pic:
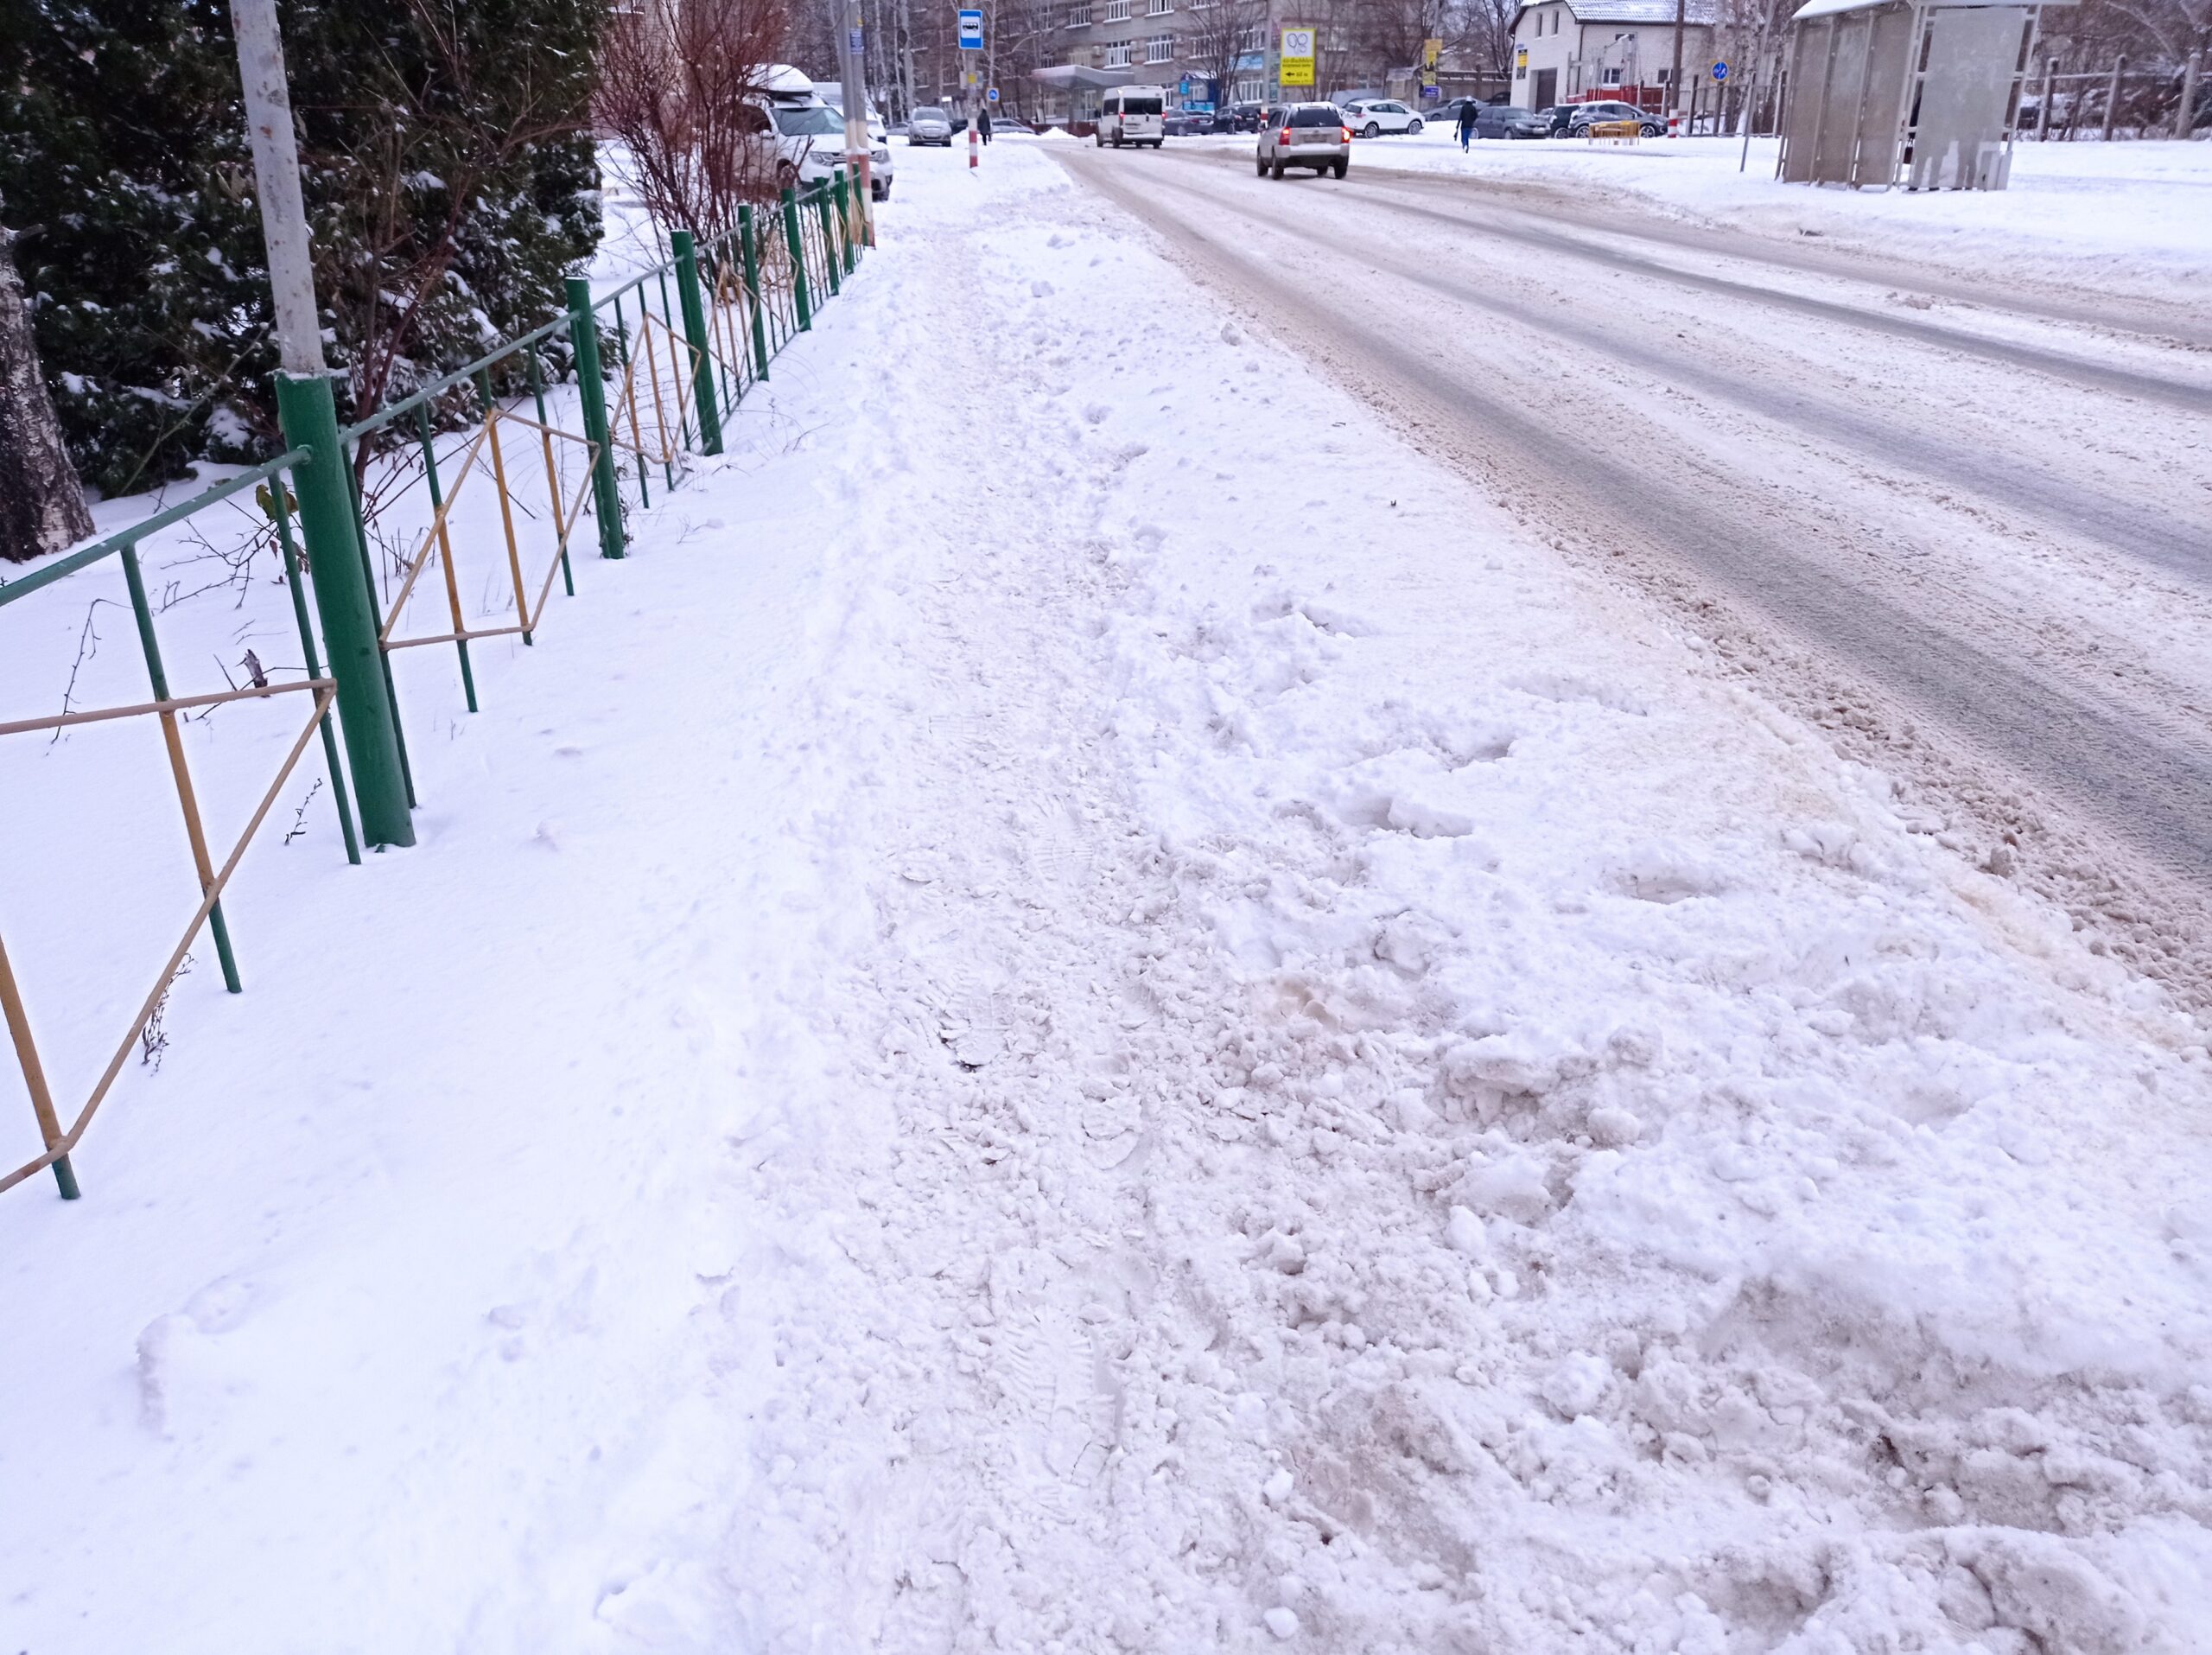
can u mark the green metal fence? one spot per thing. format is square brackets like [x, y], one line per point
[490, 463]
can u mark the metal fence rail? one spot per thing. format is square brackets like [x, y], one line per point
[657, 366]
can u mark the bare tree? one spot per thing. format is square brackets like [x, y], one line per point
[1225, 31]
[41, 503]
[682, 85]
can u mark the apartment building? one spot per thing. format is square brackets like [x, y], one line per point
[1181, 45]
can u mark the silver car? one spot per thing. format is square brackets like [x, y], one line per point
[928, 126]
[1305, 135]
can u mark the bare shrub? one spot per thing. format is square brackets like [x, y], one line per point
[682, 85]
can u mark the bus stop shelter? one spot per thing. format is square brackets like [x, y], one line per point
[1919, 92]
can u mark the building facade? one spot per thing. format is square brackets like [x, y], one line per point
[1566, 50]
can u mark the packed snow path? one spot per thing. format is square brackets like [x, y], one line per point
[1090, 1036]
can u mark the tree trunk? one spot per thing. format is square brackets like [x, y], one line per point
[41, 503]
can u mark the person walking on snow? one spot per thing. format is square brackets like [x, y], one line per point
[984, 124]
[1466, 123]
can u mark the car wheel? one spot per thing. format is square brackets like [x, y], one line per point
[1341, 168]
[1277, 173]
[1372, 131]
[1415, 127]
[1262, 165]
[1652, 129]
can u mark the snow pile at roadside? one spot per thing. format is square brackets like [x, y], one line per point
[2132, 219]
[1092, 1009]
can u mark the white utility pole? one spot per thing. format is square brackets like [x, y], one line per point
[276, 182]
[851, 52]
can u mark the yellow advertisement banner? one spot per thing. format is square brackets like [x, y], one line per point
[1297, 57]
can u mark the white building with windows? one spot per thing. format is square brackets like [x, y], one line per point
[1565, 50]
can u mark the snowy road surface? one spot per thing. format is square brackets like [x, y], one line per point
[1042, 1028]
[1971, 537]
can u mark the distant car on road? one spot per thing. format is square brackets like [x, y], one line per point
[1312, 135]
[930, 126]
[1132, 116]
[1580, 116]
[1004, 124]
[1555, 118]
[1372, 117]
[1447, 113]
[1505, 121]
[1186, 123]
[1240, 117]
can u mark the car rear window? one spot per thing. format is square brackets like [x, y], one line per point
[1141, 105]
[1315, 117]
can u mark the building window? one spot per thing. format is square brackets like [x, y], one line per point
[1661, 74]
[1158, 8]
[1248, 91]
[1078, 16]
[1160, 49]
[1117, 57]
[1610, 78]
[1117, 11]
[1255, 40]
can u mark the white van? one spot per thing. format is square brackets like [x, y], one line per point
[1132, 115]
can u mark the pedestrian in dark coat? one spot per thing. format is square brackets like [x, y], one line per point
[1466, 122]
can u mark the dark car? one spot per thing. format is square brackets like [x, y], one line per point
[1447, 113]
[1002, 126]
[1185, 123]
[1504, 121]
[1554, 117]
[1240, 117]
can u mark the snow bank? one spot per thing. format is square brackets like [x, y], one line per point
[2132, 219]
[1054, 1023]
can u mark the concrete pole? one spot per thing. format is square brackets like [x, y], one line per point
[2043, 109]
[1675, 75]
[2112, 95]
[851, 48]
[2187, 97]
[276, 179]
[308, 414]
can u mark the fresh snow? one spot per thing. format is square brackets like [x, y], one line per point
[1090, 1008]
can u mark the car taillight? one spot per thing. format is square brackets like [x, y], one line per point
[1283, 136]
[1346, 131]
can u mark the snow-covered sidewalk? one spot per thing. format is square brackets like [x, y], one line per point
[1092, 1009]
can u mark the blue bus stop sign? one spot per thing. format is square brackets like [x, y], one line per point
[1719, 72]
[971, 31]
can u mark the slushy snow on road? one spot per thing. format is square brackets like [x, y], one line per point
[1094, 1008]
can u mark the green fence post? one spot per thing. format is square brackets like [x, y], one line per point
[584, 338]
[696, 332]
[308, 414]
[752, 248]
[829, 236]
[798, 260]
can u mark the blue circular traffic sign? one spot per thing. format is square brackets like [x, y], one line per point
[1719, 72]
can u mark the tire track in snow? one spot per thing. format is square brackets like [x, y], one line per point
[2103, 810]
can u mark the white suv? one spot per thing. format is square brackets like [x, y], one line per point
[1372, 117]
[1305, 135]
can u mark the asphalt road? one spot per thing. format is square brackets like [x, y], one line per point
[1965, 530]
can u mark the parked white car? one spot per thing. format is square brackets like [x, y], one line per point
[879, 139]
[1370, 118]
[929, 126]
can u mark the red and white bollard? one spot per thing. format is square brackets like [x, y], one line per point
[1675, 124]
[971, 143]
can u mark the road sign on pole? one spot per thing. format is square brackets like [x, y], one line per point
[1297, 58]
[971, 31]
[1719, 72]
